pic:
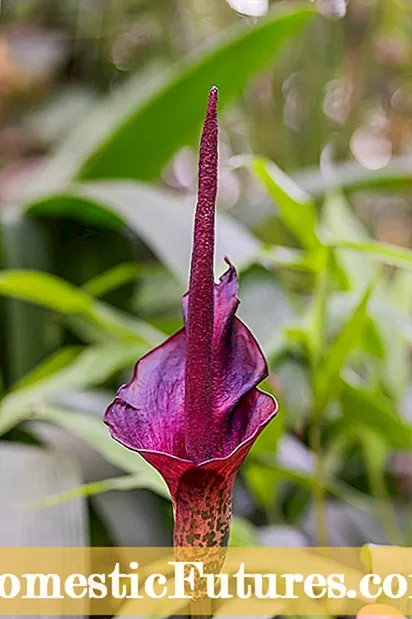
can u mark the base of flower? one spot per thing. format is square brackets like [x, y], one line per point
[203, 509]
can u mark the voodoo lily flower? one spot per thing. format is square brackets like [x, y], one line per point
[192, 409]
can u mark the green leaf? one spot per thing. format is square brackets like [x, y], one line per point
[265, 307]
[350, 176]
[28, 334]
[139, 147]
[166, 225]
[93, 431]
[294, 259]
[51, 366]
[393, 320]
[383, 252]
[46, 290]
[327, 378]
[261, 481]
[401, 290]
[337, 449]
[296, 208]
[342, 224]
[376, 412]
[270, 461]
[376, 452]
[54, 293]
[341, 306]
[118, 326]
[315, 333]
[138, 129]
[126, 482]
[395, 370]
[160, 219]
[116, 277]
[68, 369]
[294, 383]
[243, 533]
[336, 488]
[268, 440]
[76, 207]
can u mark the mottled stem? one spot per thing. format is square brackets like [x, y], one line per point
[205, 605]
[199, 330]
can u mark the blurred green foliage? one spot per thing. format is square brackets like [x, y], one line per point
[95, 247]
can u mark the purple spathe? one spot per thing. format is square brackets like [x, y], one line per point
[192, 408]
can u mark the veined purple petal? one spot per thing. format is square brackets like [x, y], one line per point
[148, 414]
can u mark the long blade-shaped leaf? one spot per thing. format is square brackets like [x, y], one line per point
[317, 314]
[296, 208]
[327, 378]
[350, 176]
[68, 369]
[93, 431]
[383, 252]
[44, 289]
[116, 277]
[179, 103]
[126, 482]
[56, 294]
[158, 217]
[27, 334]
[342, 225]
[165, 224]
[134, 136]
[375, 411]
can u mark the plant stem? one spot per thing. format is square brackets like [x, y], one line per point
[318, 321]
[204, 606]
[374, 449]
[319, 485]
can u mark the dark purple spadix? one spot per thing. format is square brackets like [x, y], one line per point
[192, 408]
[200, 315]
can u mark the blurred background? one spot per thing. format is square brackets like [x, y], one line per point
[101, 104]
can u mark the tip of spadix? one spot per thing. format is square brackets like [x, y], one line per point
[212, 101]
